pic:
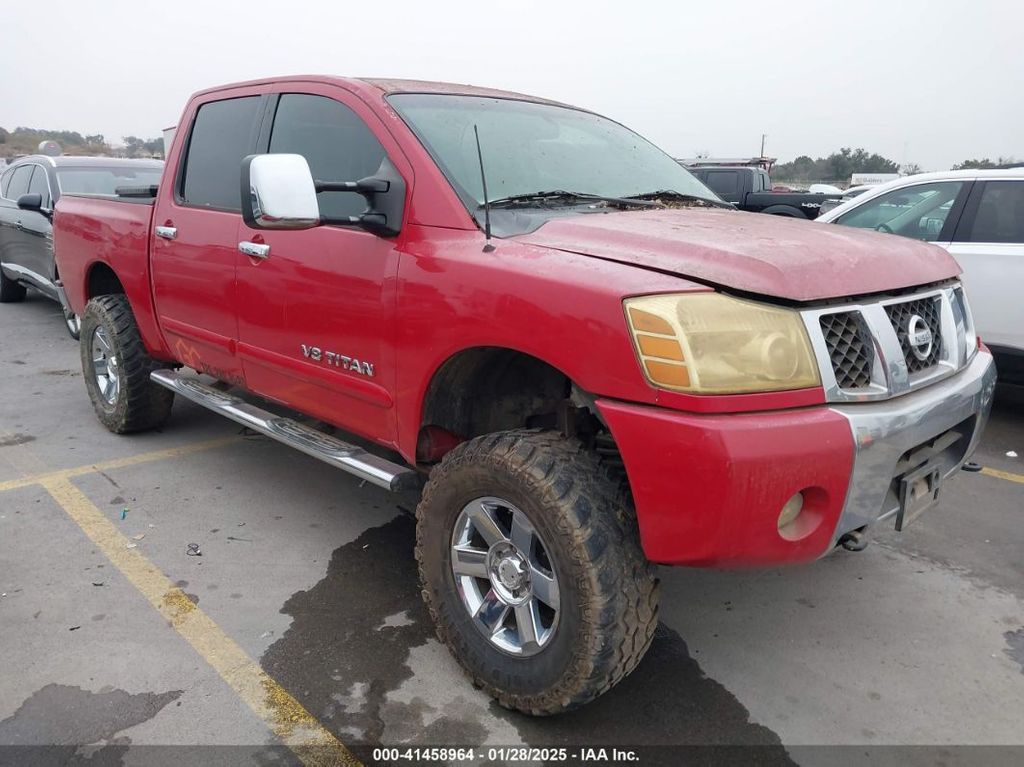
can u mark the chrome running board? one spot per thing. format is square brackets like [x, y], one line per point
[351, 458]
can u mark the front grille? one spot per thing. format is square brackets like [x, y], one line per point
[849, 346]
[928, 310]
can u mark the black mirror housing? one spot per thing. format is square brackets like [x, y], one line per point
[31, 202]
[385, 200]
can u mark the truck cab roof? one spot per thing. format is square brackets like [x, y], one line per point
[385, 86]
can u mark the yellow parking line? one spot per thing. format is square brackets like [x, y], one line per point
[1003, 475]
[285, 716]
[116, 463]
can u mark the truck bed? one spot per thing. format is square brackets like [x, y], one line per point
[92, 233]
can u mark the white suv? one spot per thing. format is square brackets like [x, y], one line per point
[978, 216]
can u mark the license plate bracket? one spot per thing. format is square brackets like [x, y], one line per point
[919, 491]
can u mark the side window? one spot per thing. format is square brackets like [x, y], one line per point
[221, 136]
[38, 185]
[915, 211]
[337, 145]
[1000, 216]
[19, 182]
[723, 182]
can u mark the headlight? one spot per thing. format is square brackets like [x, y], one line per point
[709, 343]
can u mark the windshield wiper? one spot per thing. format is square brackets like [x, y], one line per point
[560, 195]
[674, 196]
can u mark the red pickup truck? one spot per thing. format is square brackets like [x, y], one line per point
[594, 364]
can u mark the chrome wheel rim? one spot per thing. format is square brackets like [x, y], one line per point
[74, 322]
[504, 576]
[106, 368]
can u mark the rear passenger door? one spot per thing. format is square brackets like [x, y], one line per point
[37, 229]
[12, 242]
[989, 245]
[195, 239]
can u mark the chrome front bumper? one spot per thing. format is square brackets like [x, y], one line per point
[890, 435]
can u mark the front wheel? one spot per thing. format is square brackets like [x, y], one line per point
[532, 570]
[116, 368]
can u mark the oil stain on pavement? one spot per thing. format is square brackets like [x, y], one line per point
[1015, 647]
[65, 718]
[357, 636]
[16, 439]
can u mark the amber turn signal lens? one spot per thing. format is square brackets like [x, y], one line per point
[669, 375]
[665, 348]
[649, 323]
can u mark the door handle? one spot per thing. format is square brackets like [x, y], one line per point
[254, 249]
[167, 232]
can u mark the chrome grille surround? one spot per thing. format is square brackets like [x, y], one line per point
[889, 373]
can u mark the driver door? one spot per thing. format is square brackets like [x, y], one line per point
[316, 310]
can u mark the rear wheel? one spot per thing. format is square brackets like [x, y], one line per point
[116, 368]
[532, 570]
[11, 292]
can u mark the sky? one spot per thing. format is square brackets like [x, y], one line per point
[930, 82]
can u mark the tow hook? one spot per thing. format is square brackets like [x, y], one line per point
[855, 540]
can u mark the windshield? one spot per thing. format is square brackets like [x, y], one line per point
[104, 181]
[529, 148]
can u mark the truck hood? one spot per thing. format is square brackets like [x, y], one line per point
[751, 252]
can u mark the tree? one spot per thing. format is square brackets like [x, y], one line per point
[985, 164]
[133, 145]
[837, 167]
[910, 169]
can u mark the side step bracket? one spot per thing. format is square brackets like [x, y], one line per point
[351, 458]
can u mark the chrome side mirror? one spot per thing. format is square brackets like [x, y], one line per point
[278, 192]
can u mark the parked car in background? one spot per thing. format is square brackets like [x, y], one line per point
[978, 216]
[848, 194]
[750, 189]
[29, 190]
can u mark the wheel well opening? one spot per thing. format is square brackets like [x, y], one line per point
[489, 389]
[102, 282]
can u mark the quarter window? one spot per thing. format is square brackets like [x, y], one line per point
[336, 143]
[19, 182]
[918, 211]
[5, 181]
[222, 135]
[1000, 216]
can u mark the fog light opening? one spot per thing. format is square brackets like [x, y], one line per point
[791, 510]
